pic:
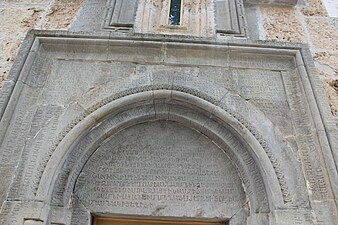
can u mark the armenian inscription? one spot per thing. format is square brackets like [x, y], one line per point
[145, 171]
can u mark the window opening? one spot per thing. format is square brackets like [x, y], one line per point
[175, 12]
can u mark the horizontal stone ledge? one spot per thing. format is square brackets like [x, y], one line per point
[273, 2]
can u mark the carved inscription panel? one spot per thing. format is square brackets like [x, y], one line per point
[161, 168]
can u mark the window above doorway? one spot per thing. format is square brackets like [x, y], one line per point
[182, 17]
[175, 12]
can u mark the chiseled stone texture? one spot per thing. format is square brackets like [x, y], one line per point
[314, 8]
[62, 13]
[327, 58]
[19, 16]
[331, 87]
[282, 24]
[164, 169]
[322, 34]
[28, 2]
[308, 23]
[260, 104]
[14, 26]
[91, 16]
[8, 51]
[12, 31]
[87, 98]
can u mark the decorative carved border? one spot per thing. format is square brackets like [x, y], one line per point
[323, 121]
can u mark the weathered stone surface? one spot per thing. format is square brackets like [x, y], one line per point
[18, 25]
[325, 40]
[284, 24]
[4, 71]
[161, 169]
[327, 58]
[229, 17]
[241, 118]
[327, 65]
[273, 2]
[29, 14]
[91, 16]
[294, 217]
[9, 50]
[309, 23]
[62, 13]
[80, 101]
[314, 8]
[27, 1]
[278, 28]
[123, 13]
[332, 91]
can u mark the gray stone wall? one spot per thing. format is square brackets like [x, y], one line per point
[19, 16]
[259, 104]
[103, 120]
[307, 22]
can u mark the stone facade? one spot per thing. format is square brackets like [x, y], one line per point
[129, 116]
[29, 14]
[307, 22]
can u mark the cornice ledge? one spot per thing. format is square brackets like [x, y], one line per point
[272, 2]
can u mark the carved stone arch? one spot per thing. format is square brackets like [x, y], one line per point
[138, 114]
[67, 86]
[178, 112]
[212, 101]
[167, 99]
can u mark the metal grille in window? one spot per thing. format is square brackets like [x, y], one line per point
[175, 12]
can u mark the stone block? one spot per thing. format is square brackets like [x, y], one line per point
[18, 212]
[9, 49]
[197, 55]
[135, 52]
[244, 60]
[314, 8]
[18, 26]
[327, 59]
[281, 24]
[27, 1]
[175, 182]
[322, 34]
[123, 13]
[95, 118]
[33, 222]
[61, 14]
[4, 71]
[273, 2]
[331, 92]
[90, 17]
[227, 17]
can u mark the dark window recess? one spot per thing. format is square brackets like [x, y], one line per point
[175, 12]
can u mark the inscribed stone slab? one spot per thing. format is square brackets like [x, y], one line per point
[161, 168]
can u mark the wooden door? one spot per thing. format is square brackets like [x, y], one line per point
[146, 221]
